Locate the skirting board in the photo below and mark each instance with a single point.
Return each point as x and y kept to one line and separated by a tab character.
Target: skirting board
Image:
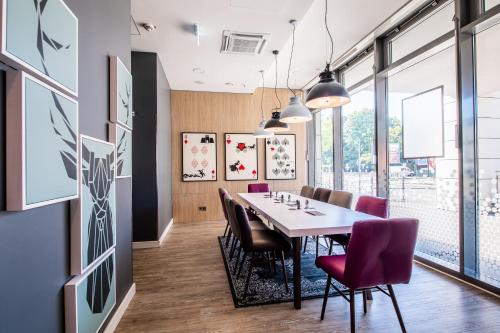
157	243
120	311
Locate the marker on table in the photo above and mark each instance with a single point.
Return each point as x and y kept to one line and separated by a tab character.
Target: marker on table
298	204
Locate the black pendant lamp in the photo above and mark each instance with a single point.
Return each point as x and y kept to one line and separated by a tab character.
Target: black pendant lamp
274	124
327	93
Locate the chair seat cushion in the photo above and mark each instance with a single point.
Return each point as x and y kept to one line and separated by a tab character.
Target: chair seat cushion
258	225
333	265
269	240
342	239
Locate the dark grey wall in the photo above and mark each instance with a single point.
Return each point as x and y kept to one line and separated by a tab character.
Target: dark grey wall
34	245
152	197
163	150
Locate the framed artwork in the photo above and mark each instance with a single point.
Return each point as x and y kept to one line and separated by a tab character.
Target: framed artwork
281	157
121	107
42	143
423	113
122	138
93	229
199	157
89	298
241	156
42	37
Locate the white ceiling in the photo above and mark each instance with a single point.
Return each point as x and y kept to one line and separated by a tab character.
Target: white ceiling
179	53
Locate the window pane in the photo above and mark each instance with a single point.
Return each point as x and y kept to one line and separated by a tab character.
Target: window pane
488	153
358	143
427	188
429	28
488	4
359	71
324	148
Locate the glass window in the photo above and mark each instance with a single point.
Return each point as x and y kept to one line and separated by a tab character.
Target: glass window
427	187
429	28
359	71
358	143
488	4
488	154
324	148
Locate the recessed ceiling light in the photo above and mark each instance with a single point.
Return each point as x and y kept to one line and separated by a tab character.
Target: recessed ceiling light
199	82
198	70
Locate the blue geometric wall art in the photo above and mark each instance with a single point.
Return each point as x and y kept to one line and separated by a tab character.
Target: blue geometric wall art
121	106
42	149
41	37
93	229
89	298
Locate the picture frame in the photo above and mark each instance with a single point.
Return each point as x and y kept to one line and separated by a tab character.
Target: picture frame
281	157
93	227
122	138
42	143
121	97
241	157
199	163
55	63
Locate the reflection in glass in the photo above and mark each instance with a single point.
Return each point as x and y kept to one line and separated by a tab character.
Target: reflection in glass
324	148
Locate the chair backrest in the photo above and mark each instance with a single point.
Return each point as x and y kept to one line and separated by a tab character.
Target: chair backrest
307	191
222	193
258	188
231	218
244	229
322	194
372	205
380	252
341	199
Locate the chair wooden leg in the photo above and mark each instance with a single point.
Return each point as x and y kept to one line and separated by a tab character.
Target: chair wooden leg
353	318
396	307
331	247
233	248
364	301
305	245
229	233
237	260
241	264
285	277
227	228
325	298
247	283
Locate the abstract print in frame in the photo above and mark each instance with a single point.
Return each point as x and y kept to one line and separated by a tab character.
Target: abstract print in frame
121	106
41	36
281	157
89	298
199	157
93	229
122	138
42	144
241	156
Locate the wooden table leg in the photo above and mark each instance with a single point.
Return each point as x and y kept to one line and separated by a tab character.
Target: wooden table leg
297	292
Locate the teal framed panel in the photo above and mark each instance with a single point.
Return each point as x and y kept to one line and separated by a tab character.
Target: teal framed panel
93	228
42	147
41	37
90	298
122	138
121	106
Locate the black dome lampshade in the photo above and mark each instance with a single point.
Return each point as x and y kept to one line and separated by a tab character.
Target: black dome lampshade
327	93
275	125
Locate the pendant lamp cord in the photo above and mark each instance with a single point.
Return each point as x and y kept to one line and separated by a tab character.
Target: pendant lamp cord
276	80
290	63
329	33
262	96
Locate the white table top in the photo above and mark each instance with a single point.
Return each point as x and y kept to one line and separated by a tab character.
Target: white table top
297	223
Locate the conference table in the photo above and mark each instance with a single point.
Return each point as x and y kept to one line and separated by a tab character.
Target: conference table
297	223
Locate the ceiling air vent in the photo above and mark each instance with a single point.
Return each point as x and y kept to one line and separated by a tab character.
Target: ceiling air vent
243	43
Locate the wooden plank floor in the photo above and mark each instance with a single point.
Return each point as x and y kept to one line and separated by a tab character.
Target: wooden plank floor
182	287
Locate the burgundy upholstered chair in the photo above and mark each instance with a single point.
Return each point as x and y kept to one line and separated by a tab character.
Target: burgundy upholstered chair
258	188
257	242
380	252
366	204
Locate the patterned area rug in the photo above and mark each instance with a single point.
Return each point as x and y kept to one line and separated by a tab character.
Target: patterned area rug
267	287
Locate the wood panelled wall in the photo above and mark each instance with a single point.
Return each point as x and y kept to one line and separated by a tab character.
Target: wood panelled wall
224	113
